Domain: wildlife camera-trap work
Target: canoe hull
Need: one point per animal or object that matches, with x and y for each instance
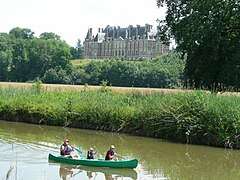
(95, 162)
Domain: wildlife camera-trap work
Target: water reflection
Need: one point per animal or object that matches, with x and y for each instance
(69, 171)
(108, 172)
(90, 175)
(65, 172)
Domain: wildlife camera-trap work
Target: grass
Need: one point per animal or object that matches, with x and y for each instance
(82, 62)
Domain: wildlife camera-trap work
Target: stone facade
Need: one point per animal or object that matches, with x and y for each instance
(132, 43)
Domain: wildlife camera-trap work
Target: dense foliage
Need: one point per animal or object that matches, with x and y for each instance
(24, 57)
(162, 72)
(208, 32)
(189, 117)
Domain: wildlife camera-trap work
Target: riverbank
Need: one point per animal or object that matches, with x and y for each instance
(186, 116)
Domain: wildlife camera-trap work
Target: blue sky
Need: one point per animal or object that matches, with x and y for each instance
(71, 18)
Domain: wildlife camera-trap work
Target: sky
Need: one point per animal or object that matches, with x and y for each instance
(71, 19)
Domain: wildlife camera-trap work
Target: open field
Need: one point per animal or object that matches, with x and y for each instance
(64, 87)
(67, 87)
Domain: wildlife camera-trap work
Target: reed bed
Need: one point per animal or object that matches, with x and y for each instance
(186, 116)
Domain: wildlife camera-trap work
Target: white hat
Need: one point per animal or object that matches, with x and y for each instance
(112, 147)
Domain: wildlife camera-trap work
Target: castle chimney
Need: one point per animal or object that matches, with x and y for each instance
(118, 32)
(114, 32)
(89, 34)
(130, 31)
(137, 31)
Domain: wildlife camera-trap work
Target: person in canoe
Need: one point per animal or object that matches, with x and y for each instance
(66, 150)
(110, 153)
(91, 153)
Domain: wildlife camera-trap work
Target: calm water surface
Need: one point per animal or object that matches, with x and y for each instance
(24, 150)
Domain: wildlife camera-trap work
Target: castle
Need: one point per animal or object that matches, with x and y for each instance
(132, 43)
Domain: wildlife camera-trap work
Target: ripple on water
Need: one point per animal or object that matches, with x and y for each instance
(36, 153)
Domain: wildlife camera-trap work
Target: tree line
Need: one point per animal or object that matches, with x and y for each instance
(162, 72)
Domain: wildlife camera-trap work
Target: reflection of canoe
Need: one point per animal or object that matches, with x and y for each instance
(123, 172)
(111, 171)
(132, 163)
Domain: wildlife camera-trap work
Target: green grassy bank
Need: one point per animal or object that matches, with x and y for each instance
(188, 117)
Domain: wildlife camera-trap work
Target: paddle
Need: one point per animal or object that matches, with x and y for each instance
(78, 150)
(98, 151)
(119, 156)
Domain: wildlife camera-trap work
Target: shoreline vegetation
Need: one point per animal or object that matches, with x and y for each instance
(186, 116)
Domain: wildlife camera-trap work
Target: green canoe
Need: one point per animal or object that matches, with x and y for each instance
(132, 163)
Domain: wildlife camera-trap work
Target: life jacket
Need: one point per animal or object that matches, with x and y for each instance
(111, 153)
(90, 155)
(65, 151)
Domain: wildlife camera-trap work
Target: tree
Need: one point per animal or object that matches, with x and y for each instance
(208, 33)
(5, 56)
(77, 52)
(39, 57)
(20, 61)
(50, 76)
(23, 33)
(24, 57)
(49, 35)
(56, 76)
(5, 60)
(61, 54)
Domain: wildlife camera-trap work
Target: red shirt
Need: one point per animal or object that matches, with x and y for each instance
(109, 153)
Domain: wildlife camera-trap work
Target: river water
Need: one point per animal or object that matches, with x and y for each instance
(24, 150)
